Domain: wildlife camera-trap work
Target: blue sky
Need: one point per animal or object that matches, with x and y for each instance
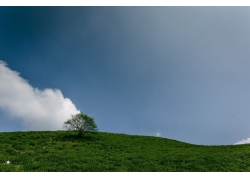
(178, 72)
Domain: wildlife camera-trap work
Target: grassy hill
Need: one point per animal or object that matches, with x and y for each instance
(62, 151)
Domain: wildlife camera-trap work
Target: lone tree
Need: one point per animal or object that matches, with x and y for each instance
(80, 123)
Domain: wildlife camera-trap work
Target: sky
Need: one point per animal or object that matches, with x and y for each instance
(173, 72)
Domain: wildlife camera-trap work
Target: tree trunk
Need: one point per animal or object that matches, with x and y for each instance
(79, 134)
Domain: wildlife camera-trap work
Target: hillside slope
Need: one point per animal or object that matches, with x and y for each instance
(61, 151)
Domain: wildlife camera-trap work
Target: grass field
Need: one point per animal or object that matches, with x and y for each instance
(61, 151)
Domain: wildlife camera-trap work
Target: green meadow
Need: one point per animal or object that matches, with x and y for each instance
(62, 151)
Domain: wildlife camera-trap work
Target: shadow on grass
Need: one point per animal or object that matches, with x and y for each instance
(72, 137)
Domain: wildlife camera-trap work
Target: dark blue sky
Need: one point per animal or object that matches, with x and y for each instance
(182, 72)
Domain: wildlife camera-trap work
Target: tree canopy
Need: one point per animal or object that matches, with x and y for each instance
(80, 123)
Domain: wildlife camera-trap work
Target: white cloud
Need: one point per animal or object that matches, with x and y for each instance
(244, 141)
(39, 109)
(158, 134)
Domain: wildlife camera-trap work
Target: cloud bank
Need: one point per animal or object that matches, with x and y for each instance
(38, 109)
(244, 141)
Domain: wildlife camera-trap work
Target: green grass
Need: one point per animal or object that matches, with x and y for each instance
(61, 151)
